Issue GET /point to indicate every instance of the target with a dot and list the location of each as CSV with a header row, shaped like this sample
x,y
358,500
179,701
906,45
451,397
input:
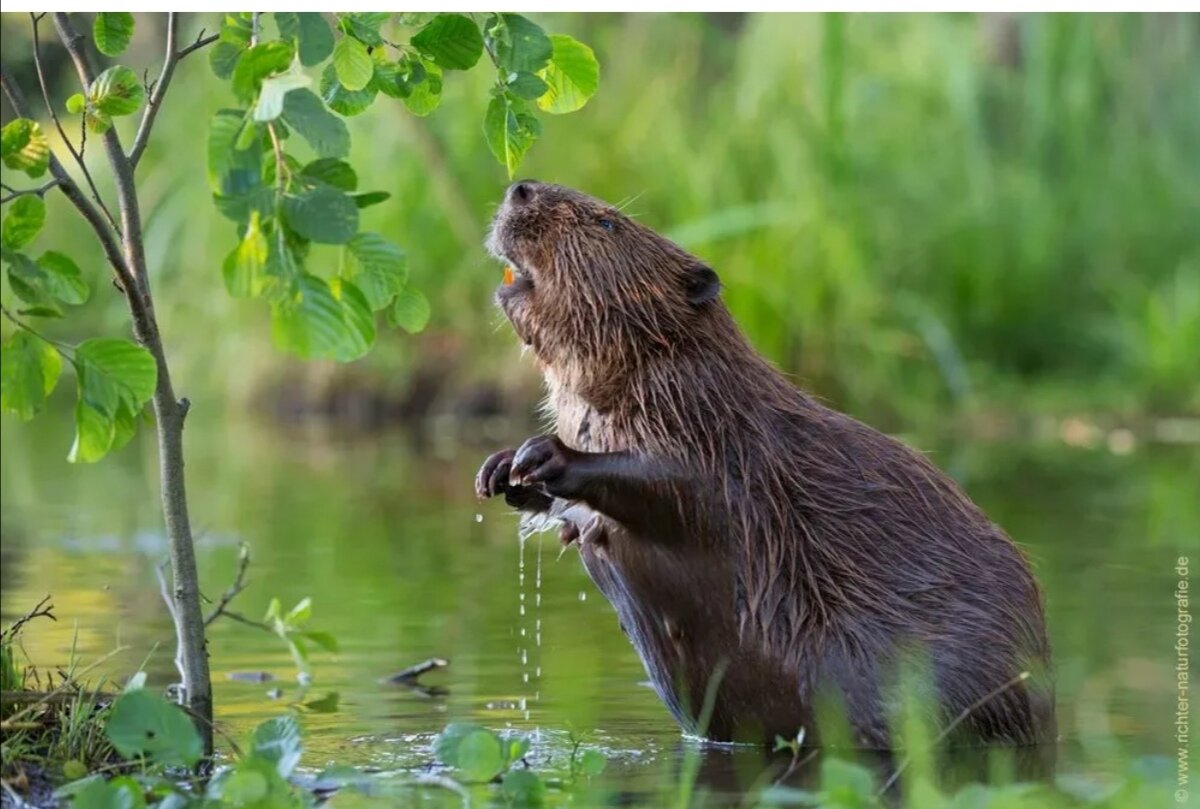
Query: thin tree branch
x,y
43,609
39,191
239,584
78,155
61,348
170,60
112,251
201,42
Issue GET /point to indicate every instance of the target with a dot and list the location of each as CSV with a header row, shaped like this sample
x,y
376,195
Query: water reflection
x,y
387,543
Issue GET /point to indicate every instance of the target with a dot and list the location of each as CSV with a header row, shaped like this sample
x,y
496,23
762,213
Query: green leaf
x,y
410,311
23,146
450,739
359,320
76,103
572,76
30,283
526,85
64,280
377,267
452,41
230,170
331,171
425,96
520,45
143,723
523,788
314,38
23,222
278,741
323,639
343,101
117,91
94,434
97,121
115,372
364,26
119,793
326,133
257,63
370,198
29,370
244,268
275,89
324,215
299,614
480,757
391,78
112,31
510,131
592,763
313,321
223,58
353,63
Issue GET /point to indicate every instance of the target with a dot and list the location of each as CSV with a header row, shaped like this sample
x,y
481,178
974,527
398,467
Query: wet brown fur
x,y
809,553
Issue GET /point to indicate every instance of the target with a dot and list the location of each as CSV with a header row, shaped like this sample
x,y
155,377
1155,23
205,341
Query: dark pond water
x,y
402,565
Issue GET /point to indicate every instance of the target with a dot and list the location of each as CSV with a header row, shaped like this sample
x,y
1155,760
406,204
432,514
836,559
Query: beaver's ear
x,y
701,284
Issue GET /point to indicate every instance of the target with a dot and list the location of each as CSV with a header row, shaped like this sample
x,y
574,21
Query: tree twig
x,y
43,609
39,191
159,91
239,584
78,155
201,42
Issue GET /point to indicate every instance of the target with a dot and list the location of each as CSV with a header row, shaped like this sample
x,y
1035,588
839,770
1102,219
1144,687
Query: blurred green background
x,y
912,213
980,231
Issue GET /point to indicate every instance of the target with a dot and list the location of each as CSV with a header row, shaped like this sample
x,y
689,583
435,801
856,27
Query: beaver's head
x,y
587,283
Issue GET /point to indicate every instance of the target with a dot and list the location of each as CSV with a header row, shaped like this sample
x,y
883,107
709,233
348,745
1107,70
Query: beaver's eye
x,y
607,224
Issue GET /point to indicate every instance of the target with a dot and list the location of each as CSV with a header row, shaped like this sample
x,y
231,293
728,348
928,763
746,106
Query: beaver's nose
x,y
522,192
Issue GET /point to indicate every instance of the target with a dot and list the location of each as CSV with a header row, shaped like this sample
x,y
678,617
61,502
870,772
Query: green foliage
x,y
117,91
22,222
112,31
29,370
144,724
290,627
282,210
115,379
23,146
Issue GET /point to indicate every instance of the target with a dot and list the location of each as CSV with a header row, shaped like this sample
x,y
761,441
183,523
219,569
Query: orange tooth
x,y
508,275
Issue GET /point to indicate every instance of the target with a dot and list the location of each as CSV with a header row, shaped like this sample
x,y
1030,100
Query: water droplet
x,y
582,596
478,518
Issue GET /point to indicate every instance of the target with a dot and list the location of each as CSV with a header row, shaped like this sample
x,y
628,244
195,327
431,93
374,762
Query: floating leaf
x,y
451,41
29,370
143,723
112,31
23,222
326,133
410,311
353,63
324,215
480,756
23,146
117,91
572,76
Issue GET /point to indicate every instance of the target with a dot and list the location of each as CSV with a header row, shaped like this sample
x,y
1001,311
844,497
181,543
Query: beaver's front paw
x,y
541,460
492,478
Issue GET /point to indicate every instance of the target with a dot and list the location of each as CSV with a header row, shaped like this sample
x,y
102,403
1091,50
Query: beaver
x,y
762,551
